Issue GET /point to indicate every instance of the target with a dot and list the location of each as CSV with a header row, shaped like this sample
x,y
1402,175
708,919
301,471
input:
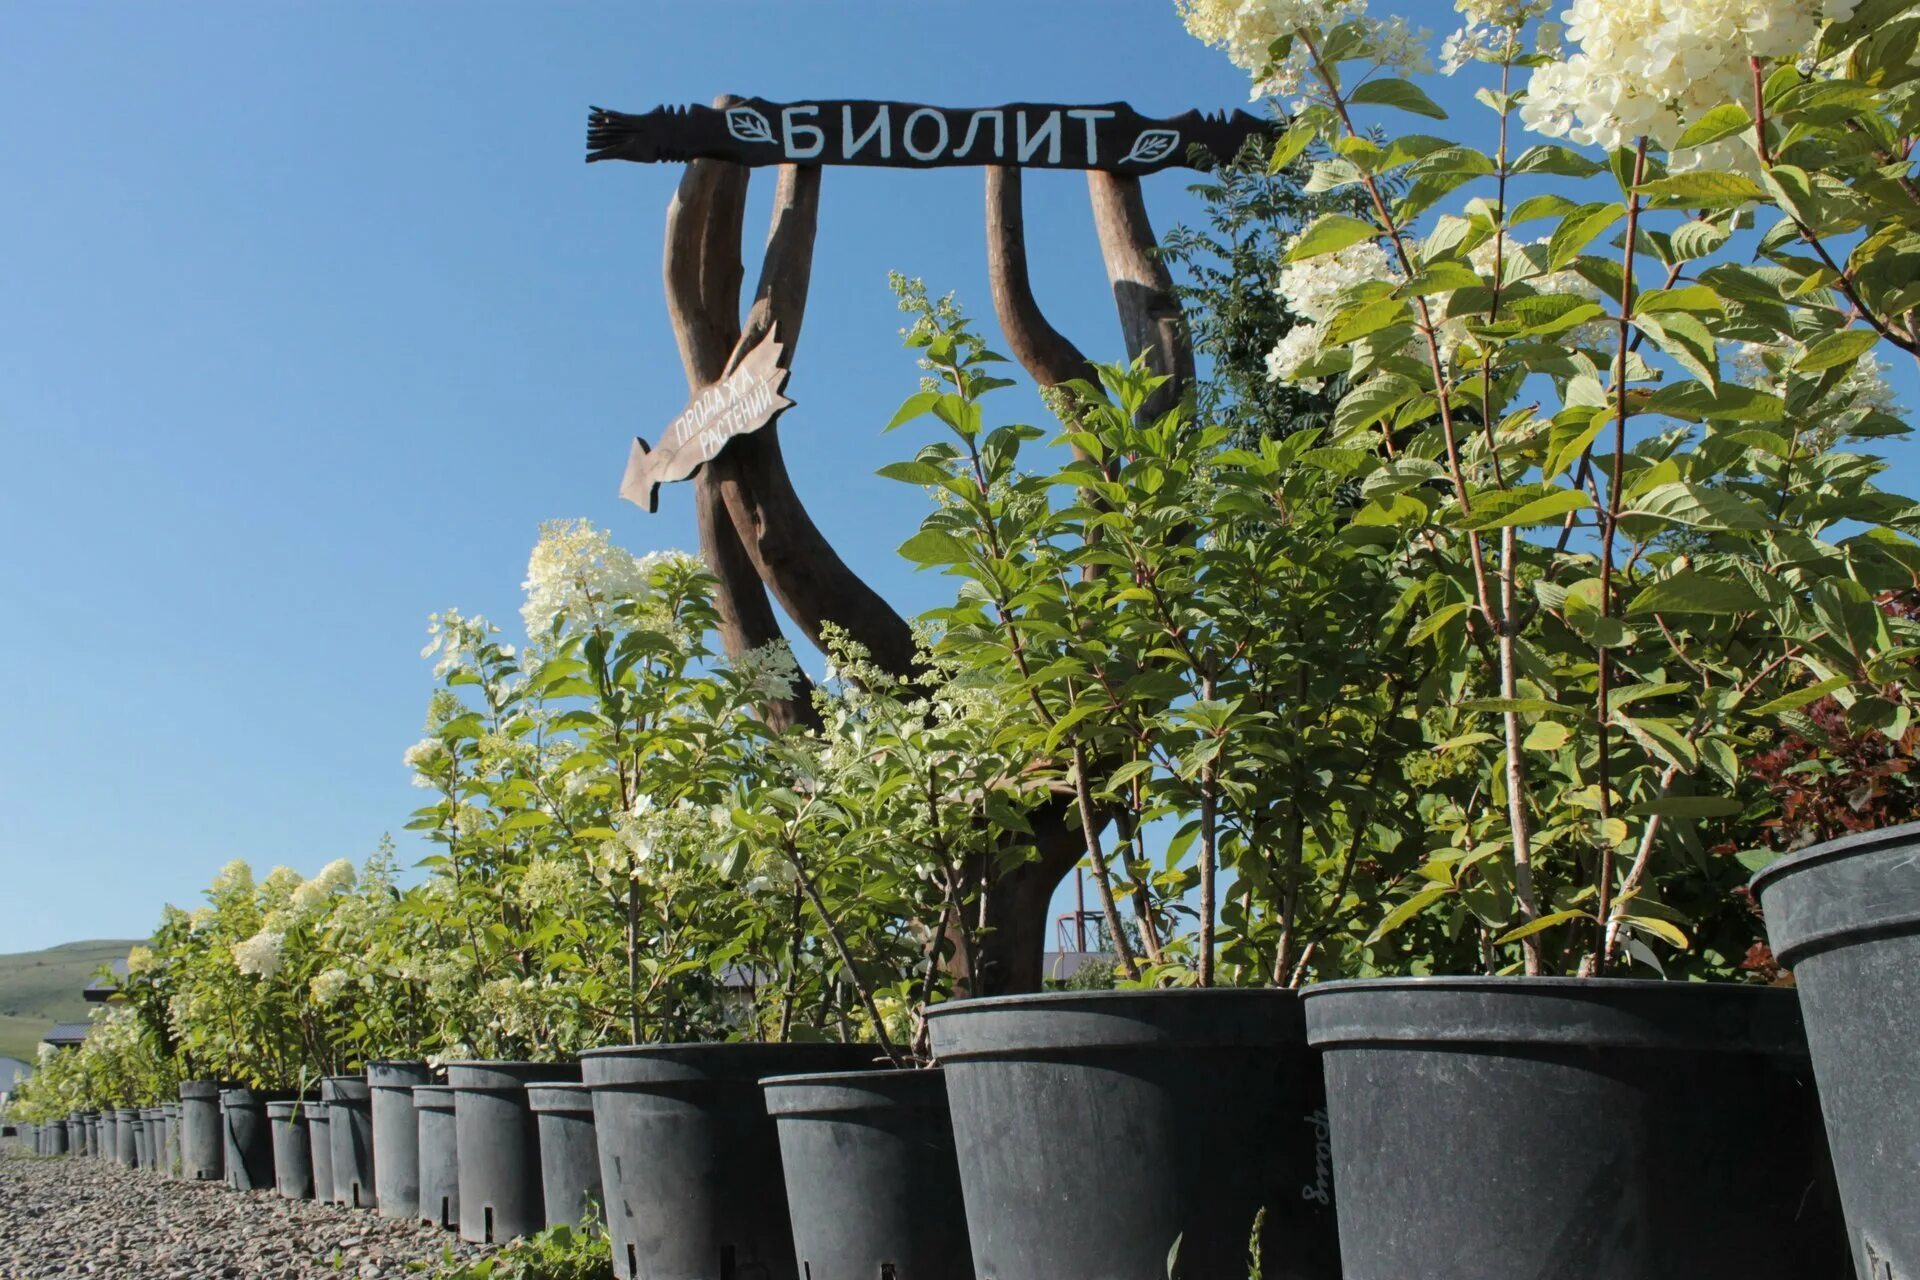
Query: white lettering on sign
x,y
1049,132
1090,116
940,139
723,411
789,131
999,133
850,143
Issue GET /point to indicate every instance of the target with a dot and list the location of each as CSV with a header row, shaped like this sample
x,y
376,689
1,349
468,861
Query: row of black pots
x,y
144,1137
1475,1128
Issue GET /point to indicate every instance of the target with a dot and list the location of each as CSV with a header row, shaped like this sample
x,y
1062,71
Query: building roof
x,y
67,1033
103,989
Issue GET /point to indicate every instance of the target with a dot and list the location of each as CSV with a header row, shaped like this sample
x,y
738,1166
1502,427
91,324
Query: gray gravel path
x,y
61,1216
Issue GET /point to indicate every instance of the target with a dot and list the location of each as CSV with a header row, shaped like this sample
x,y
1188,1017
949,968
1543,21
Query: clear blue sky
x,y
312,314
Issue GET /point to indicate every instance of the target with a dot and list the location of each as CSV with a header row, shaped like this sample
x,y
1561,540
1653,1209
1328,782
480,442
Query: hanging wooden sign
x,y
905,135
745,400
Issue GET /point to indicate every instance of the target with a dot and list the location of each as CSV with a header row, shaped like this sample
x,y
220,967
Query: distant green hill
x,y
40,988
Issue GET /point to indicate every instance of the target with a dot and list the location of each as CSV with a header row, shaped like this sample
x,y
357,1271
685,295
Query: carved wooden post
x,y
755,533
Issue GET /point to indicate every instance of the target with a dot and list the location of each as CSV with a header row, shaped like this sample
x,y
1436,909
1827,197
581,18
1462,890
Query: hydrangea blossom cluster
x,y
262,954
329,985
452,634
1492,32
577,575
1649,68
1314,289
1247,29
769,672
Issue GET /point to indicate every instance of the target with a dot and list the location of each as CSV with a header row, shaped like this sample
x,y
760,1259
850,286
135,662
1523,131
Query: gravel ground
x,y
65,1217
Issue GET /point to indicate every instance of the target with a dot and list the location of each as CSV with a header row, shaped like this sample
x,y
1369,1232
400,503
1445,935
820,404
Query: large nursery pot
x,y
126,1138
56,1138
498,1145
170,1158
157,1139
690,1159
1604,1129
873,1185
320,1149
202,1148
249,1138
292,1149
569,1155
1845,917
1097,1131
396,1136
144,1132
350,1110
439,1156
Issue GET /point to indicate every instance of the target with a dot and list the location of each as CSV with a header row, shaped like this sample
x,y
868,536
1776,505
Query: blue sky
x,y
313,314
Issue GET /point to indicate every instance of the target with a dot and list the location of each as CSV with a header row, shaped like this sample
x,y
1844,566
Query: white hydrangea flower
x,y
338,874
1300,345
769,672
329,985
577,575
452,633
262,954
1246,29
1649,68
235,877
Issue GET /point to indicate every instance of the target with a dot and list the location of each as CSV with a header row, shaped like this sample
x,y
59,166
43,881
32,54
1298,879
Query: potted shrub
x,y
1627,560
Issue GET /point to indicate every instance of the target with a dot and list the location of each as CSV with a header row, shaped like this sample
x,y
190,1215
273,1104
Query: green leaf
x,y
1688,341
1697,238
1836,349
1578,229
1409,909
1682,502
1548,736
1294,141
1544,923
930,546
1330,233
1519,706
1703,189
1516,508
1397,93
1722,122
916,405
1438,619
1692,591
1661,929
912,472
1549,158
1799,698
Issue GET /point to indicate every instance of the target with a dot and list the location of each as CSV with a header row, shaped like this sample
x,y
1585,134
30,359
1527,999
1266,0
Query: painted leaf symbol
x,y
1152,145
748,125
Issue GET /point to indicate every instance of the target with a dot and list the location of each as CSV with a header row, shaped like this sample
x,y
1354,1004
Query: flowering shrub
x,y
1632,557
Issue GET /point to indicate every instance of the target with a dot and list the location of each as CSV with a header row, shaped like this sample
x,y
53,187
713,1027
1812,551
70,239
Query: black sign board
x,y
905,135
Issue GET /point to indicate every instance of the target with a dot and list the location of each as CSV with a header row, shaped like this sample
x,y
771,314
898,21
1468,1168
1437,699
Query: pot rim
x,y
1834,850
1056,999
746,1047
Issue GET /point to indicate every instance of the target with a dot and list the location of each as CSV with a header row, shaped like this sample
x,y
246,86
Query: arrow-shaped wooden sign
x,y
745,400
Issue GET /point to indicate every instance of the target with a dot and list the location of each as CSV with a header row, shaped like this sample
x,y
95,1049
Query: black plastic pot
x,y
439,1156
170,1156
873,1185
126,1139
1845,917
143,1135
1492,1128
157,1139
1097,1130
498,1145
249,1138
56,1138
320,1149
396,1136
292,1149
350,1130
690,1159
569,1155
202,1146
